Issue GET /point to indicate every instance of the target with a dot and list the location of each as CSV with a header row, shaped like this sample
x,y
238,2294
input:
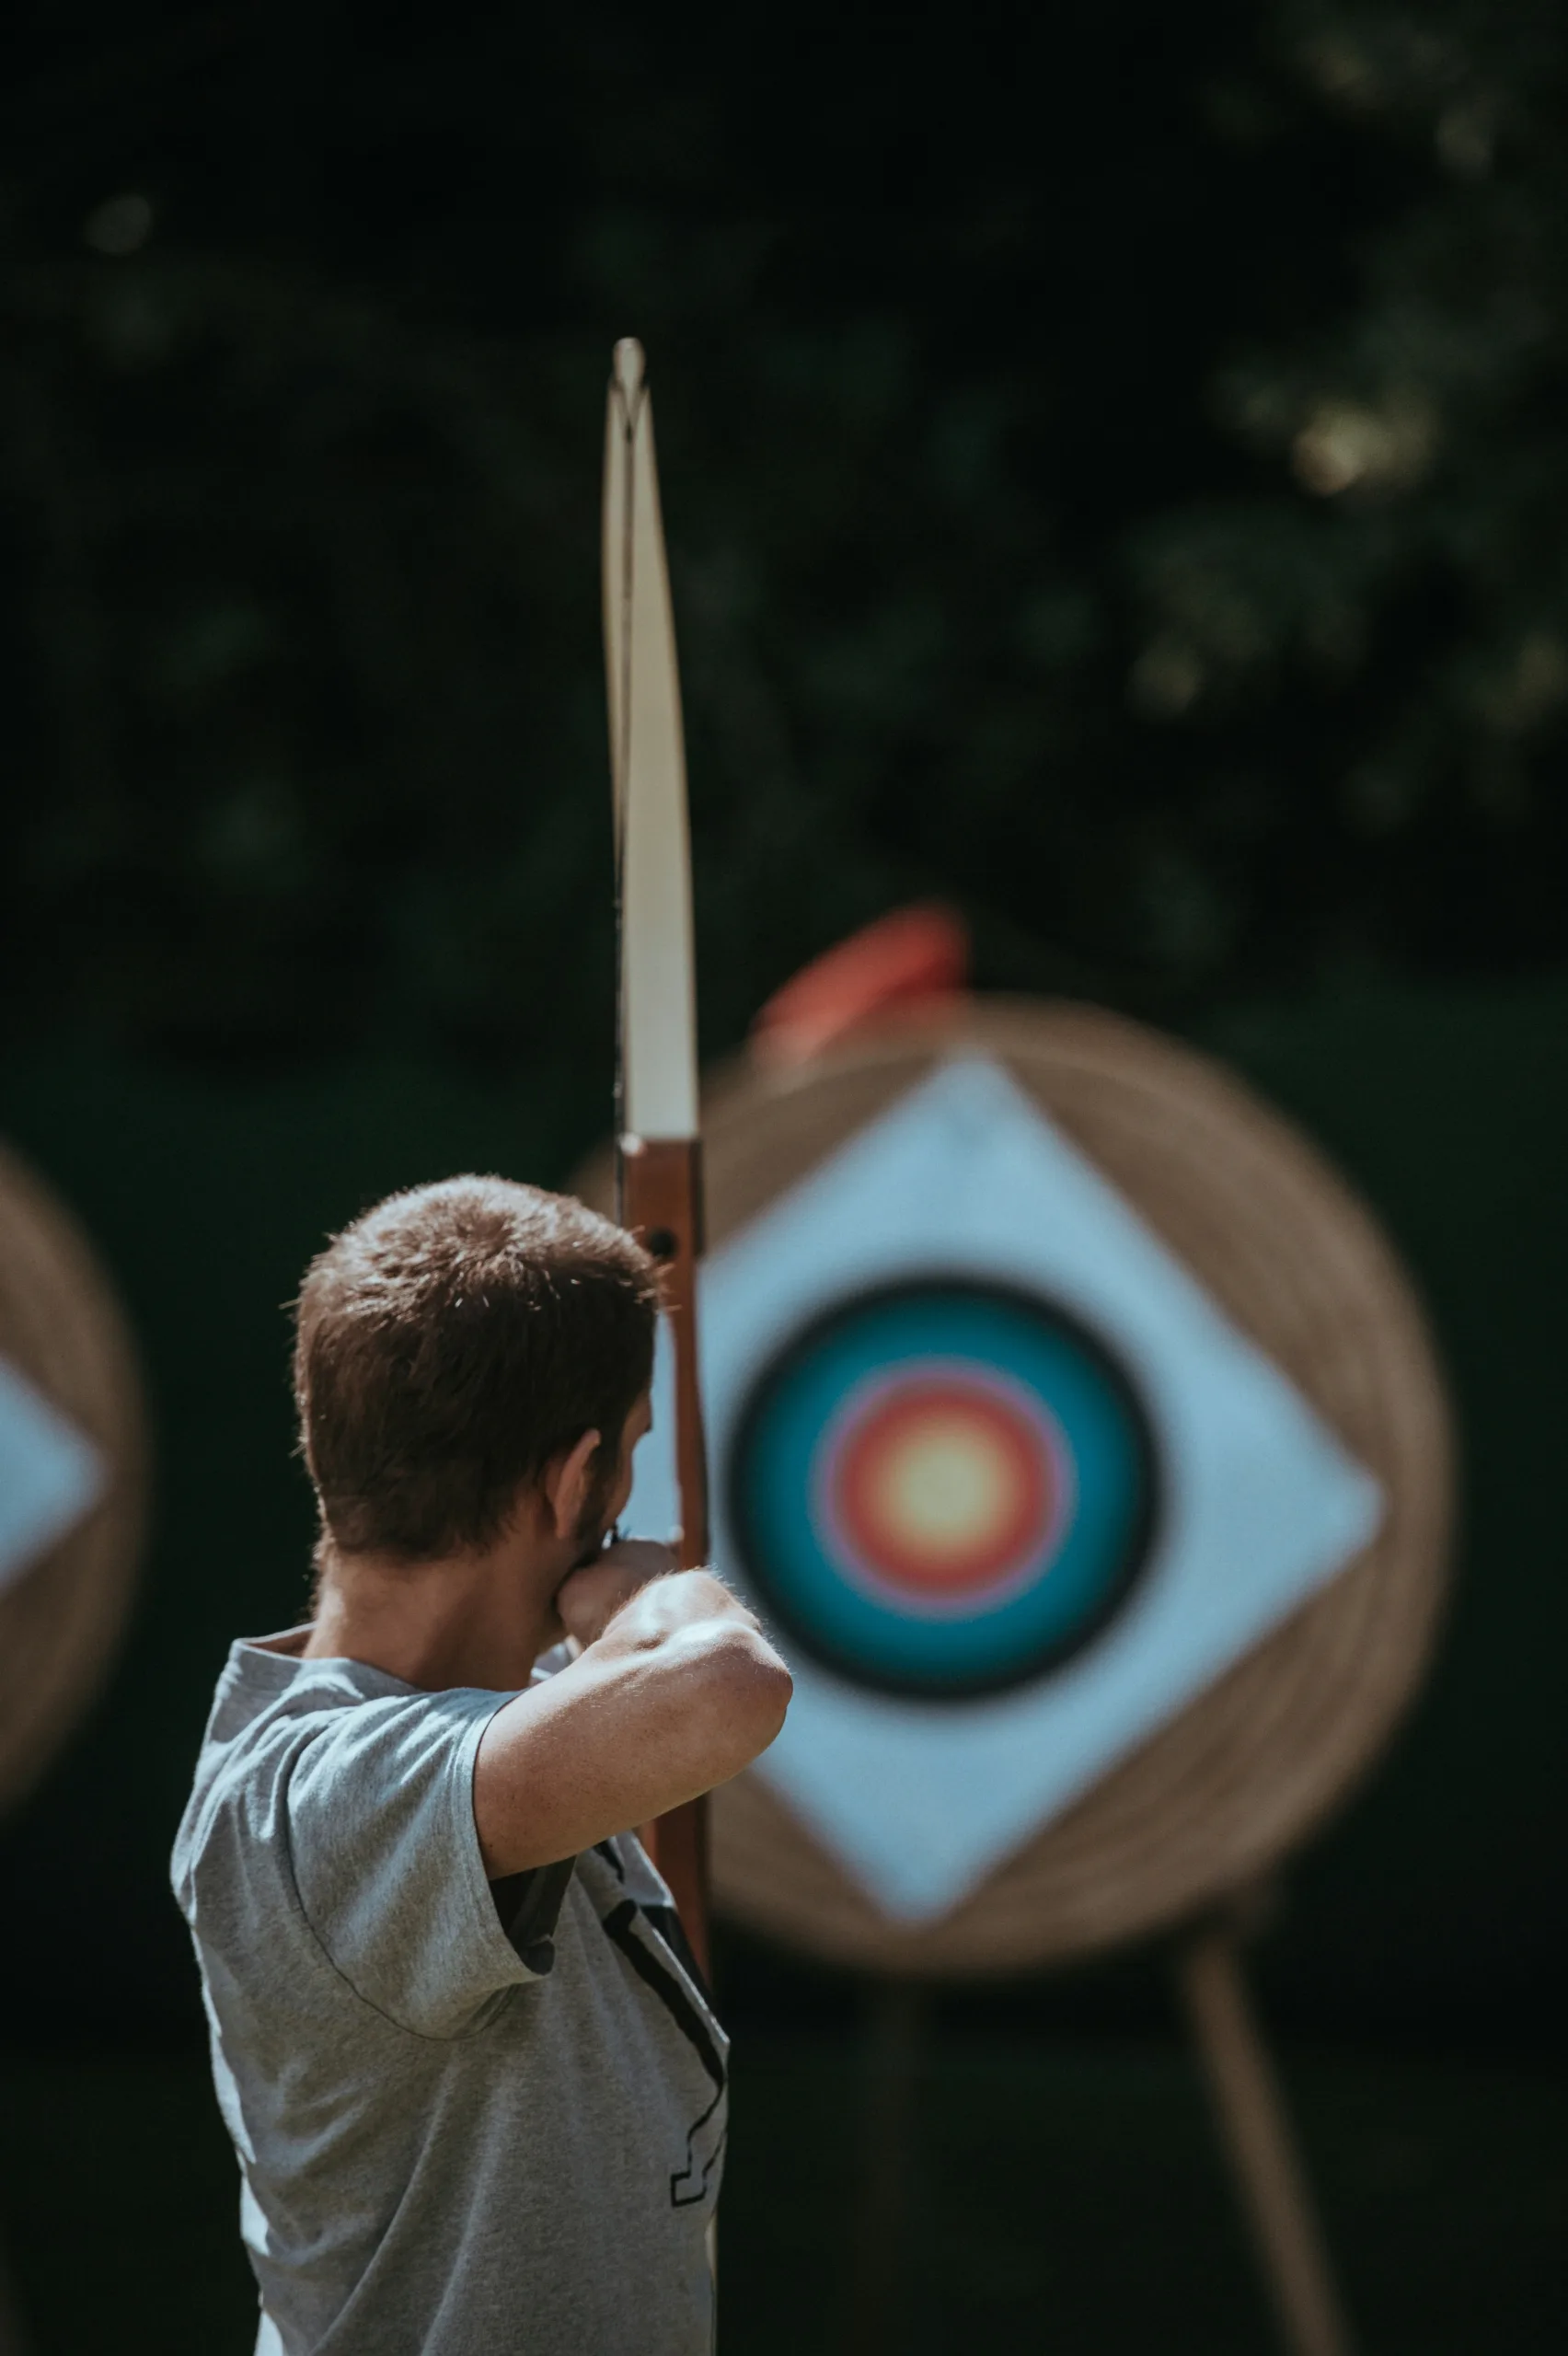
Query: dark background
x,y
1116,476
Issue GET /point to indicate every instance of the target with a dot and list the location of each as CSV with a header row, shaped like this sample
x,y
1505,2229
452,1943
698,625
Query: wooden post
x,y
12,2341
898,2009
1257,2135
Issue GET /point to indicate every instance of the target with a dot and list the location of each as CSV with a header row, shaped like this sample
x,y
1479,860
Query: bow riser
x,y
659,1181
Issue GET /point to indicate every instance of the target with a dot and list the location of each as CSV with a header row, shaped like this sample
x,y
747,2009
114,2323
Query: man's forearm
x,y
679,1692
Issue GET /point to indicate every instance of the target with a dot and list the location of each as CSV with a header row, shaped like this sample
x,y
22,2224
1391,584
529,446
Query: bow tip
x,y
628,364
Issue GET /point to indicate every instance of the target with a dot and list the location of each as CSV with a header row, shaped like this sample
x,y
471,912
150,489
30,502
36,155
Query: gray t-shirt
x,y
471,2119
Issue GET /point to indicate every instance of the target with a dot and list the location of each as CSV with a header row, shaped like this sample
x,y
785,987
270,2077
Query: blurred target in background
x,y
1075,1430
73,1448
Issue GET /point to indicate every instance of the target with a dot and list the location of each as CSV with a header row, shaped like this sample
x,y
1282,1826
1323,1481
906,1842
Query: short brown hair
x,y
451,1342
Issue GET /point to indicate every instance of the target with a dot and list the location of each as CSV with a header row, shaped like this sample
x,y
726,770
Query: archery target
x,y
71,1474
1077,1432
943,1487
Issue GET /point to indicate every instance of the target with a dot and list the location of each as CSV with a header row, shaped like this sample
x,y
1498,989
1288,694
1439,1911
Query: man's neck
x,y
480,1619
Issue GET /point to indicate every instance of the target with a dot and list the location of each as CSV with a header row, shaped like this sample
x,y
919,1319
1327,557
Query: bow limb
x,y
659,1152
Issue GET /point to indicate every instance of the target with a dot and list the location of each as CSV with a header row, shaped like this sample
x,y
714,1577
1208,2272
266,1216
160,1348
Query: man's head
x,y
454,1346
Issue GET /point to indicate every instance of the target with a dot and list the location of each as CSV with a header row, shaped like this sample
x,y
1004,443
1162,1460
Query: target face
x,y
943,1487
1009,1483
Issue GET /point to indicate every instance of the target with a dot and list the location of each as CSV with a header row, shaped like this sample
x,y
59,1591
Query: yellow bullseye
x,y
942,1486
945,1485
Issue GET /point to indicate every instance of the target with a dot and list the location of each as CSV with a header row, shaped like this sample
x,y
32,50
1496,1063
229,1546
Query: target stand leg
x,y
12,2341
1256,2134
898,2010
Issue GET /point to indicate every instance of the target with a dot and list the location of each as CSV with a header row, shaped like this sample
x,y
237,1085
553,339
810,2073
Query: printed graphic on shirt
x,y
640,1940
528,1907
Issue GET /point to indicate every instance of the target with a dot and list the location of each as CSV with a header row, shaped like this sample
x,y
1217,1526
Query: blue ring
x,y
1079,1584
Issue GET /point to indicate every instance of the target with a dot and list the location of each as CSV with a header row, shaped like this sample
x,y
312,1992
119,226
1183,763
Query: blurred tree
x,y
1384,625
1113,465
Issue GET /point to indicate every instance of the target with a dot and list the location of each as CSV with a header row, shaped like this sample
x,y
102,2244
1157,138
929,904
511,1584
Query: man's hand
x,y
589,1598
676,1688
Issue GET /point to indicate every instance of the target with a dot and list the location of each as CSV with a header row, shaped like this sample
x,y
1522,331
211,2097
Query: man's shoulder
x,y
333,1738
269,1709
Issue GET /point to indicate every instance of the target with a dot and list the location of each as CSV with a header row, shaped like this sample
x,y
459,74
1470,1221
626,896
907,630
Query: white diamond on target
x,y
49,1474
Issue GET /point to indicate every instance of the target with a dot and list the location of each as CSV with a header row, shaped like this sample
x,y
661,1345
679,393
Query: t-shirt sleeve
x,y
385,1859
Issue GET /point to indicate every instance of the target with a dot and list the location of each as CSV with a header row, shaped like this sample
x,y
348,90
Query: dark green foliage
x,y
1113,464
1004,382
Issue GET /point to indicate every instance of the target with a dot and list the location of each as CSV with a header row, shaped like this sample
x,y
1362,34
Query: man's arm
x,y
676,1690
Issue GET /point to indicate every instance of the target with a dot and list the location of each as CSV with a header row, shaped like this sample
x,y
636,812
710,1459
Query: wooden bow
x,y
659,1150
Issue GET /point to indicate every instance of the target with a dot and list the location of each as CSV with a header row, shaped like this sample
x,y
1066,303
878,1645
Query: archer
x,y
471,2071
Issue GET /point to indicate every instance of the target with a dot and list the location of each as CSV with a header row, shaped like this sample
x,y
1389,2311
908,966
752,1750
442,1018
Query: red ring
x,y
865,1464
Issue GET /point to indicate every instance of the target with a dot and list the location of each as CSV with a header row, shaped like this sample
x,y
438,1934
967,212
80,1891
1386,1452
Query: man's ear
x,y
566,1481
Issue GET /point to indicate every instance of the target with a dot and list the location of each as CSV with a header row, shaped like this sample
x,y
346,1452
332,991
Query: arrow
x,y
658,1153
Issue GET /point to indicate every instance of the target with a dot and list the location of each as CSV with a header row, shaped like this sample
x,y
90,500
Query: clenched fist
x,y
588,1598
